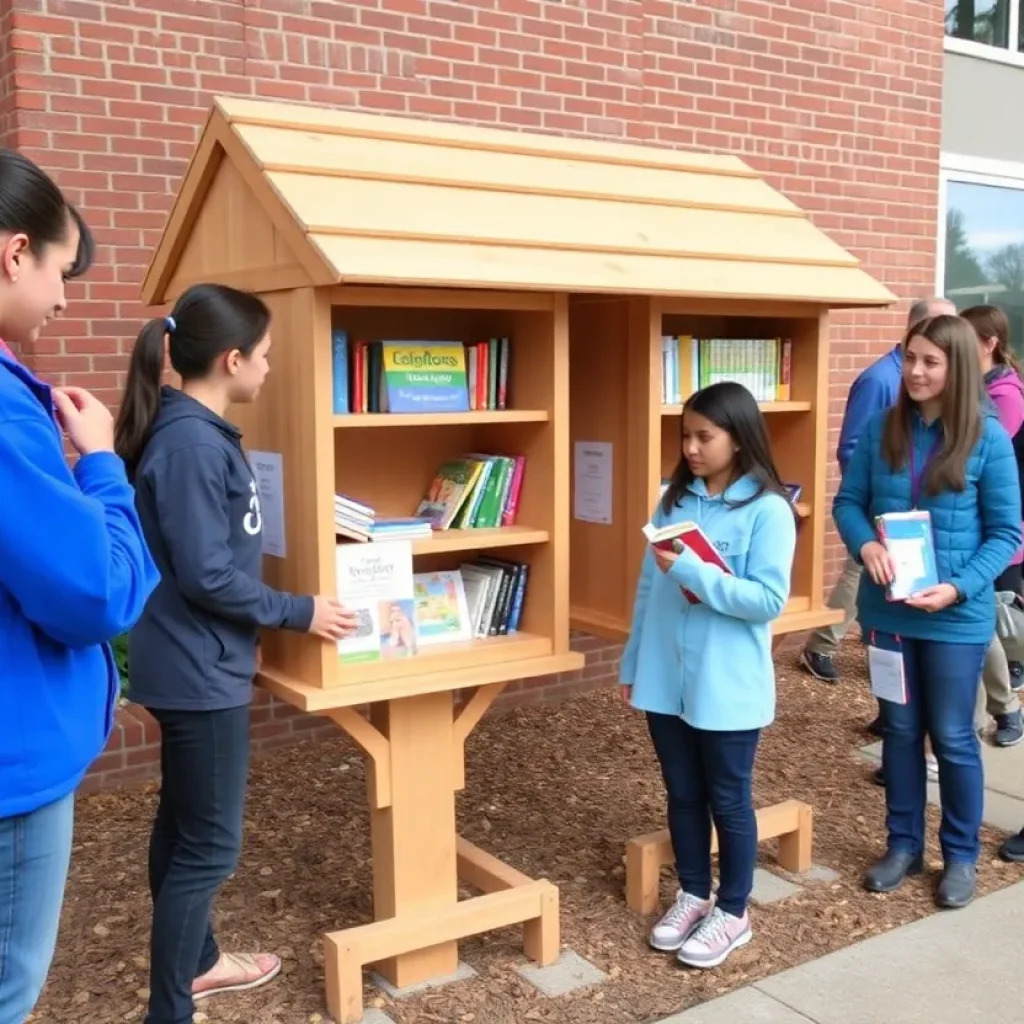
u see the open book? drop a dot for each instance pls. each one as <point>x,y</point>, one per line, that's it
<point>676,536</point>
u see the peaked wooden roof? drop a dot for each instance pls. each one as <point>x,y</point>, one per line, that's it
<point>360,198</point>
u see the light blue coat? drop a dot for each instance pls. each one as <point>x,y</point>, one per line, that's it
<point>711,663</point>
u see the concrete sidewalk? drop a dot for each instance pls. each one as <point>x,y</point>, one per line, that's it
<point>954,967</point>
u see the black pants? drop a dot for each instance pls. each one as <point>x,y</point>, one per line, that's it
<point>709,775</point>
<point>194,848</point>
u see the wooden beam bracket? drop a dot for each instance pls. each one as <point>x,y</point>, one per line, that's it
<point>467,720</point>
<point>377,748</point>
<point>791,821</point>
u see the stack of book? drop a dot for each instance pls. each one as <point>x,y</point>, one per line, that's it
<point>474,492</point>
<point>762,365</point>
<point>357,521</point>
<point>495,592</point>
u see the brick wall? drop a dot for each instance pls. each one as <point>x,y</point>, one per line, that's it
<point>837,102</point>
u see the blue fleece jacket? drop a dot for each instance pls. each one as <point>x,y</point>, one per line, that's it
<point>976,531</point>
<point>711,663</point>
<point>876,388</point>
<point>74,573</point>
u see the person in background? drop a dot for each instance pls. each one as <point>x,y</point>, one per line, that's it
<point>1001,377</point>
<point>942,450</point>
<point>74,574</point>
<point>193,654</point>
<point>875,388</point>
<point>702,672</point>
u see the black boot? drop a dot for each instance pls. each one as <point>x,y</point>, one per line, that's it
<point>956,889</point>
<point>887,874</point>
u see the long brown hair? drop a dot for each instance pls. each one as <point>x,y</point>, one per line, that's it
<point>990,322</point>
<point>960,414</point>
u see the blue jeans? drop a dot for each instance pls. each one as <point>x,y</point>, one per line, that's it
<point>708,775</point>
<point>942,686</point>
<point>194,848</point>
<point>35,849</point>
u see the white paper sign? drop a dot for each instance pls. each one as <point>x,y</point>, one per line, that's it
<point>592,500</point>
<point>888,681</point>
<point>268,468</point>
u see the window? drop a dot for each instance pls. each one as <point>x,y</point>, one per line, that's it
<point>981,236</point>
<point>986,28</point>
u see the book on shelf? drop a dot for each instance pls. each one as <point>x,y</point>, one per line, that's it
<point>357,521</point>
<point>762,365</point>
<point>474,491</point>
<point>495,593</point>
<point>794,491</point>
<point>442,610</point>
<point>676,536</point>
<point>376,582</point>
<point>412,376</point>
<point>908,538</point>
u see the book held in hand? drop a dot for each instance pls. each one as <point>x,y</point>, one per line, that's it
<point>907,536</point>
<point>676,536</point>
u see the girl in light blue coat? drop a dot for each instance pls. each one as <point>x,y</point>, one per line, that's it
<point>703,671</point>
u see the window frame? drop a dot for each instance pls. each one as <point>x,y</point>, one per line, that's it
<point>1008,54</point>
<point>968,170</point>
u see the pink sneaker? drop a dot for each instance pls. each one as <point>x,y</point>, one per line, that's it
<point>679,922</point>
<point>715,938</point>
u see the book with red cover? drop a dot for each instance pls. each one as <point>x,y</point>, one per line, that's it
<point>676,536</point>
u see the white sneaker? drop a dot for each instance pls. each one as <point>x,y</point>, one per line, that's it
<point>715,938</point>
<point>679,922</point>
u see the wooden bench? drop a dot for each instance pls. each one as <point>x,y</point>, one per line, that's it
<point>791,822</point>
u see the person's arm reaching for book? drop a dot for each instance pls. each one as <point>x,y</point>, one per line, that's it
<point>72,557</point>
<point>761,593</point>
<point>190,488</point>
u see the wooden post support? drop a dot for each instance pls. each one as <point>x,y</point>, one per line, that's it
<point>415,752</point>
<point>791,821</point>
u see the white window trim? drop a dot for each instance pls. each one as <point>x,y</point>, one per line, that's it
<point>973,170</point>
<point>1001,54</point>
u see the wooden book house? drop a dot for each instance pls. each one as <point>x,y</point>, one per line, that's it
<point>584,254</point>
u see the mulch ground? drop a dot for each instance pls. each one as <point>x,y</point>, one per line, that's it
<point>553,790</point>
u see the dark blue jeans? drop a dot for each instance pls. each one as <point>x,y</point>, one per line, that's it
<point>194,848</point>
<point>708,775</point>
<point>942,686</point>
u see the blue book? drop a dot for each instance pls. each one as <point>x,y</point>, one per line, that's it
<point>907,536</point>
<point>339,358</point>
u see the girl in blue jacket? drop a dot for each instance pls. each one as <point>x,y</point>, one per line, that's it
<point>937,449</point>
<point>74,573</point>
<point>703,671</point>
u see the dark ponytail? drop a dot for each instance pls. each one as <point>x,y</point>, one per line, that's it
<point>30,202</point>
<point>207,321</point>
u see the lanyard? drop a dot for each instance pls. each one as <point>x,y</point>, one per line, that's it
<point>917,474</point>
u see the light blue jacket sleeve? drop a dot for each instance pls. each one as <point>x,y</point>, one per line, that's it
<point>999,502</point>
<point>852,503</point>
<point>761,594</point>
<point>627,663</point>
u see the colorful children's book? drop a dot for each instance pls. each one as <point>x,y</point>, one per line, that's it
<point>907,536</point>
<point>376,582</point>
<point>676,536</point>
<point>339,356</point>
<point>442,612</point>
<point>451,487</point>
<point>425,376</point>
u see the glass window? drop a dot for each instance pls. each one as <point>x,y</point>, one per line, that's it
<point>981,21</point>
<point>985,250</point>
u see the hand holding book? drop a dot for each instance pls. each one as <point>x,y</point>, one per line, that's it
<point>934,599</point>
<point>878,562</point>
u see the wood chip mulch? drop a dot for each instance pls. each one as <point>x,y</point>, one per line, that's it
<point>553,790</point>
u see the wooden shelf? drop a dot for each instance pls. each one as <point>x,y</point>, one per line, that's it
<point>439,419</point>
<point>445,541</point>
<point>766,407</point>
